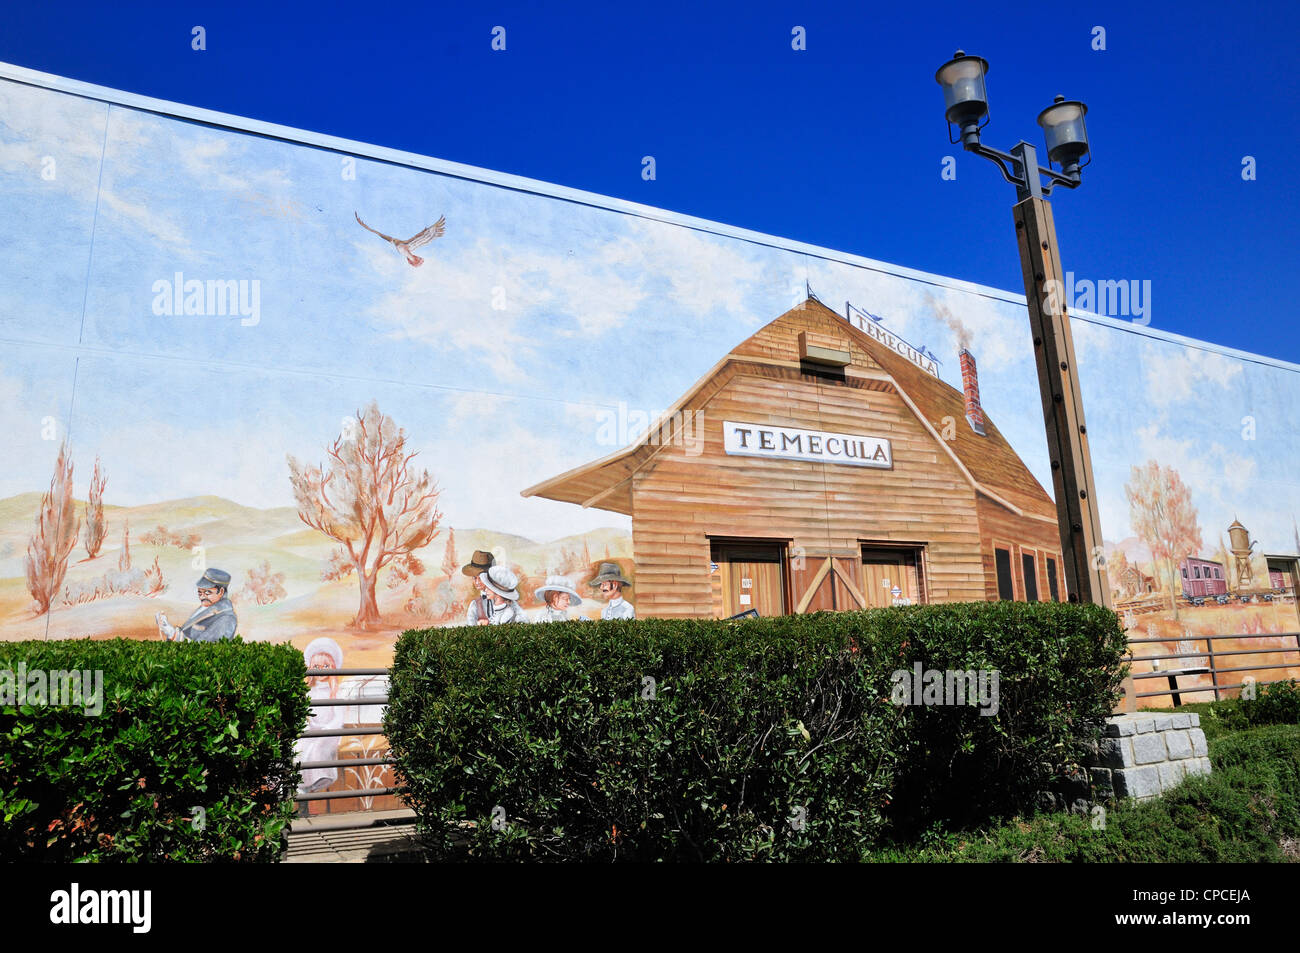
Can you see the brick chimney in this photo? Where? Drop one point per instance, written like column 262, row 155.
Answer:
column 970, row 384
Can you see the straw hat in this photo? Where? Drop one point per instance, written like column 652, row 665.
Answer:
column 480, row 562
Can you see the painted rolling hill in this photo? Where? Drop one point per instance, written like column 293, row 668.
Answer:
column 239, row 539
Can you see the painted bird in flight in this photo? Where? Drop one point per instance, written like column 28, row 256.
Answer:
column 406, row 248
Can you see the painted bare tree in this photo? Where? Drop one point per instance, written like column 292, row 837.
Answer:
column 1162, row 514
column 96, row 529
column 449, row 561
column 124, row 556
column 54, row 537
column 370, row 500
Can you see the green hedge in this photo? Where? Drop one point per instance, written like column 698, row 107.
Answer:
column 183, row 725
column 1061, row 671
column 764, row 739
column 1276, row 704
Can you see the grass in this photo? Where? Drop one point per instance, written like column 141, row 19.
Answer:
column 1246, row 811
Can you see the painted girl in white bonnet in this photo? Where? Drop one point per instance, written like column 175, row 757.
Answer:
column 558, row 594
column 321, row 653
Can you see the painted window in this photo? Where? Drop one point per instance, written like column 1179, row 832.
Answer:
column 1031, row 577
column 1002, row 560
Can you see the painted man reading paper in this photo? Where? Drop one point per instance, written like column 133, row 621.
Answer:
column 212, row 621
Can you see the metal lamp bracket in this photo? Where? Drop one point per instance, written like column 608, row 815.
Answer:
column 1014, row 166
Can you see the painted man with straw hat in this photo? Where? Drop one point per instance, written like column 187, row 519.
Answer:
column 481, row 607
column 609, row 580
column 558, row 594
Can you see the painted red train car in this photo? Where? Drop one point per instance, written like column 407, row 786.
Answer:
column 1202, row 577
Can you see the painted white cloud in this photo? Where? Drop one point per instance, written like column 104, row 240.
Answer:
column 1176, row 375
column 706, row 273
column 35, row 123
column 509, row 455
column 1092, row 338
column 481, row 302
column 146, row 218
column 212, row 159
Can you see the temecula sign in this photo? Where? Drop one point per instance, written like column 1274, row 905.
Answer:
column 917, row 356
column 818, row 446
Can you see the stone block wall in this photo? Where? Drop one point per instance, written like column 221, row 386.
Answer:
column 1145, row 754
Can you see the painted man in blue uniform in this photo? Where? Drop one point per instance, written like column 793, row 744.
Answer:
column 212, row 621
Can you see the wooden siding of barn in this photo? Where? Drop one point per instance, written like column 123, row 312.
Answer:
column 680, row 500
column 1002, row 529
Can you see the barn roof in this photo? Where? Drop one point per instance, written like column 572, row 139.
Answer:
column 988, row 462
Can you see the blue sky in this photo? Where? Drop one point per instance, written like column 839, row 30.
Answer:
column 839, row 145
column 602, row 309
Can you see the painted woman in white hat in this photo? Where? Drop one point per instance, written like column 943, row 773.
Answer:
column 501, row 585
column 610, row 582
column 558, row 594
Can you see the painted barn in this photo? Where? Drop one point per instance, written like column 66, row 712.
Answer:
column 821, row 465
column 1202, row 577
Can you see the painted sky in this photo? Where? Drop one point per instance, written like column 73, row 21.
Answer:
column 530, row 322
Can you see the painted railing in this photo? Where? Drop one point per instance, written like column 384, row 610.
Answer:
column 366, row 793
column 1213, row 668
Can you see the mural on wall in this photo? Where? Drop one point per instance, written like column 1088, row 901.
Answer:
column 234, row 403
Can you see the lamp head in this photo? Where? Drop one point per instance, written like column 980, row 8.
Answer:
column 964, row 96
column 1066, row 133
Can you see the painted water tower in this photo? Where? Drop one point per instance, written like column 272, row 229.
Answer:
column 1242, row 545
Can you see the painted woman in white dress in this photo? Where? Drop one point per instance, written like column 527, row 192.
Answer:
column 321, row 653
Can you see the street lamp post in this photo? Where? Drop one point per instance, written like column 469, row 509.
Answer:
column 966, row 106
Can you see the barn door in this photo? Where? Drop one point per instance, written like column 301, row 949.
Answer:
column 826, row 582
column 889, row 576
column 748, row 576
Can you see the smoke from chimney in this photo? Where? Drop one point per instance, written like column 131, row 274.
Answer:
column 970, row 385
column 954, row 323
